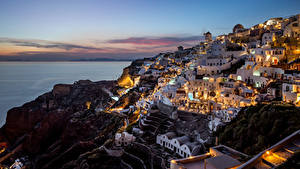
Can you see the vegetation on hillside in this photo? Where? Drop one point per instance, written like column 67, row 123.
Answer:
column 259, row 127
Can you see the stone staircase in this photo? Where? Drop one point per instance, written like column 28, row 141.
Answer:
column 280, row 156
column 132, row 161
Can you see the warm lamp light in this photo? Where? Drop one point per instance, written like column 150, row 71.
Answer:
column 173, row 161
column 88, row 105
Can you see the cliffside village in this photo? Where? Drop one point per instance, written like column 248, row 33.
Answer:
column 185, row 96
column 201, row 88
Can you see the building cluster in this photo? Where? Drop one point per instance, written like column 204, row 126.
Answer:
column 215, row 79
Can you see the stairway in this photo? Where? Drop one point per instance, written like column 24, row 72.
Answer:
column 280, row 156
column 133, row 161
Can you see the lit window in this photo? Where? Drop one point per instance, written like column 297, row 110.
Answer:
column 239, row 78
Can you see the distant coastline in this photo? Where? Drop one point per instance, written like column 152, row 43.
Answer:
column 102, row 59
column 73, row 60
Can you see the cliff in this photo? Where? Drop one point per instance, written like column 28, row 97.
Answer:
column 58, row 127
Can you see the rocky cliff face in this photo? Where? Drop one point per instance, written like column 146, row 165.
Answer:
column 67, row 127
column 57, row 127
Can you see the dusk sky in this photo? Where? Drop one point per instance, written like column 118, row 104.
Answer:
column 72, row 29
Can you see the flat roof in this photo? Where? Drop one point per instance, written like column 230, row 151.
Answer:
column 230, row 152
column 194, row 165
column 222, row 162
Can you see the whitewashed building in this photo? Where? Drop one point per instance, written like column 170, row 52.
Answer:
column 180, row 145
column 293, row 28
column 291, row 93
column 268, row 38
column 124, row 139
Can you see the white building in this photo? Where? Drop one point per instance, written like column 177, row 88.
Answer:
column 165, row 140
column 291, row 93
column 124, row 139
column 16, row 165
column 257, row 75
column 226, row 115
column 180, row 145
column 217, row 48
column 268, row 56
column 268, row 38
column 293, row 28
column 214, row 123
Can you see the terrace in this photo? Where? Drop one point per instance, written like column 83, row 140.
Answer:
column 218, row 157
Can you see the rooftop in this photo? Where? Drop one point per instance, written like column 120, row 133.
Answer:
column 221, row 162
column 218, row 157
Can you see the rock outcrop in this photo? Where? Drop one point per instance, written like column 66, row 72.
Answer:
column 56, row 128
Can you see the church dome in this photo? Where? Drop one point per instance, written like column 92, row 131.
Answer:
column 237, row 27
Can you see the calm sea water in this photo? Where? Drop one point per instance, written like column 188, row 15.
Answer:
column 21, row 82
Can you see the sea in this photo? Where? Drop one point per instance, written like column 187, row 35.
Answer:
column 21, row 82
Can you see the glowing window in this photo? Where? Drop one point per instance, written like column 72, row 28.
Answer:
column 172, row 82
column 115, row 98
column 190, row 95
column 256, row 73
column 205, row 78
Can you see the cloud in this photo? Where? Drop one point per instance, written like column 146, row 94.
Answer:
column 156, row 40
column 128, row 48
column 45, row 44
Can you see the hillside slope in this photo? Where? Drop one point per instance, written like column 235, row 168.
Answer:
column 259, row 127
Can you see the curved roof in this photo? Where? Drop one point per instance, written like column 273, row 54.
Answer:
column 237, row 27
column 182, row 139
column 192, row 145
column 170, row 135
